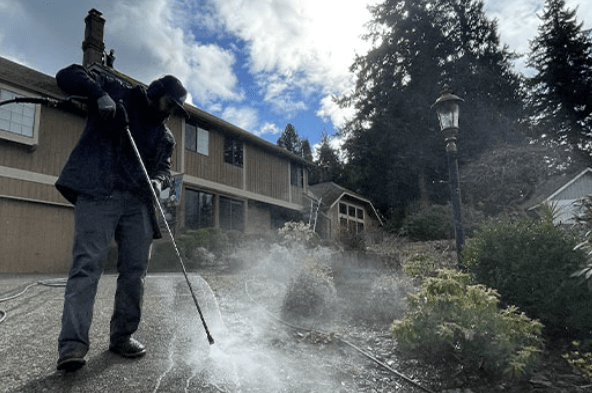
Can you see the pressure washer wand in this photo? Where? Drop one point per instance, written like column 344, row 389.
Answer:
column 157, row 203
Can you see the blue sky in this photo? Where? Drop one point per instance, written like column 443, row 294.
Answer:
column 259, row 64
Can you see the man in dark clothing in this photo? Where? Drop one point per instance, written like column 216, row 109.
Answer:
column 112, row 199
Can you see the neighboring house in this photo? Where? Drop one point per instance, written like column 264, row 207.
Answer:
column 225, row 176
column 341, row 211
column 563, row 194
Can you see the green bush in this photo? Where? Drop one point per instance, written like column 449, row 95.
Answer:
column 212, row 239
column 298, row 233
column 530, row 264
column 433, row 223
column 385, row 300
column 580, row 360
column 450, row 316
column 310, row 293
column 419, row 265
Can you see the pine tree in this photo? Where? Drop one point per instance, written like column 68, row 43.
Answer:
column 392, row 144
column 561, row 54
column 290, row 140
column 306, row 150
column 327, row 165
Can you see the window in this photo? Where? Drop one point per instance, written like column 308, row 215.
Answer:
column 351, row 218
column 360, row 214
column 296, row 175
column 233, row 151
column 197, row 139
column 231, row 214
column 199, row 209
column 18, row 121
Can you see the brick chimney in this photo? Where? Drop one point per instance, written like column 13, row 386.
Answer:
column 93, row 46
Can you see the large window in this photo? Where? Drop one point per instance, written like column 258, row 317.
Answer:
column 351, row 217
column 199, row 209
column 197, row 139
column 297, row 175
column 17, row 120
column 233, row 151
column 231, row 214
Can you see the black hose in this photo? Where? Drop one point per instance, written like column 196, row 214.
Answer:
column 52, row 283
column 398, row 374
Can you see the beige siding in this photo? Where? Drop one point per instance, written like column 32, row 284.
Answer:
column 212, row 167
column 35, row 238
column 58, row 133
column 267, row 174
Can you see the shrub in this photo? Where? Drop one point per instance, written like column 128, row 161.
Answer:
column 212, row 239
column 530, row 264
column 310, row 293
column 419, row 265
column 385, row 300
column 433, row 223
column 580, row 360
column 293, row 233
column 450, row 316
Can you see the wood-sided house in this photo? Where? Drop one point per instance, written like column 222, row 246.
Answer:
column 225, row 176
column 340, row 212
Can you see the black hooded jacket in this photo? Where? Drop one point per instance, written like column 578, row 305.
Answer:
column 103, row 159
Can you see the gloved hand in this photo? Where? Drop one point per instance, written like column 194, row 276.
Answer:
column 106, row 107
column 157, row 185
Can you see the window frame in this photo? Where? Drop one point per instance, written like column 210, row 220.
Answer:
column 31, row 141
column 234, row 219
column 208, row 209
column 296, row 175
column 349, row 217
column 199, row 134
column 236, row 154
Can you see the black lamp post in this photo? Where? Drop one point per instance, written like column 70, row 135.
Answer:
column 447, row 109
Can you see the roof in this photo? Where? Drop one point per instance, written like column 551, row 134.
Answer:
column 26, row 78
column 554, row 186
column 29, row 79
column 331, row 193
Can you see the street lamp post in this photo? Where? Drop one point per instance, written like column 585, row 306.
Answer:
column 447, row 109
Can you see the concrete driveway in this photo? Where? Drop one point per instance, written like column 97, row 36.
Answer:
column 179, row 357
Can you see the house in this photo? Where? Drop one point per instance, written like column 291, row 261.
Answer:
column 225, row 177
column 563, row 193
column 339, row 211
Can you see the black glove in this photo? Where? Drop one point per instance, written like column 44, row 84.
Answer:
column 106, row 107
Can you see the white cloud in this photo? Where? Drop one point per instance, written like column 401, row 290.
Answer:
column 243, row 117
column 298, row 46
column 156, row 46
column 268, row 129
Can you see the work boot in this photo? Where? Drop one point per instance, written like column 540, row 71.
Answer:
column 129, row 348
column 71, row 362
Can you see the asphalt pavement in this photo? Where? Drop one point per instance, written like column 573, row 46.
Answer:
column 179, row 357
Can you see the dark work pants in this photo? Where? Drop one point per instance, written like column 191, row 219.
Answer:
column 97, row 221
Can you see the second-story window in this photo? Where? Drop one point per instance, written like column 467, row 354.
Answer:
column 297, row 175
column 233, row 151
column 197, row 139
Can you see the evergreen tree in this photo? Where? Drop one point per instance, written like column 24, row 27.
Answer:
column 290, row 140
column 306, row 150
column 327, row 164
column 561, row 54
column 394, row 152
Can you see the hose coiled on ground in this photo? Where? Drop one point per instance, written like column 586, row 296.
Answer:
column 59, row 282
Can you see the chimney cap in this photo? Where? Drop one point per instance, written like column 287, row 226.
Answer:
column 94, row 11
